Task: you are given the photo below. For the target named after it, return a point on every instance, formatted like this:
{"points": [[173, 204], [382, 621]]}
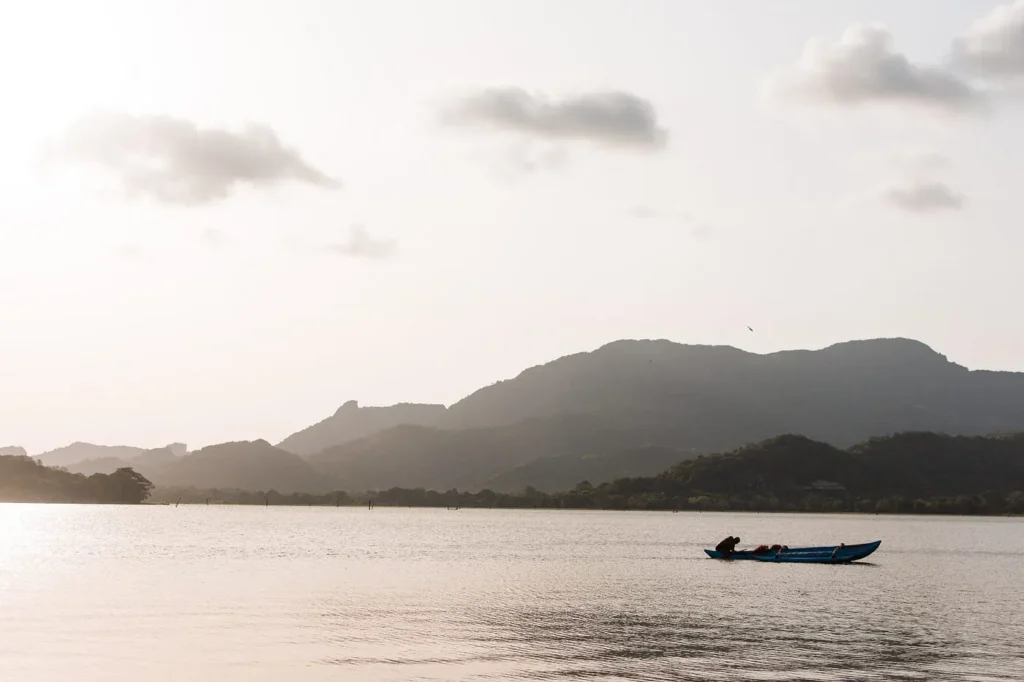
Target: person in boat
{"points": [[727, 546]]}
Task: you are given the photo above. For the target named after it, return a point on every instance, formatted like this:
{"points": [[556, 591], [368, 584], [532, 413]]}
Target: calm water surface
{"points": [[99, 594]]}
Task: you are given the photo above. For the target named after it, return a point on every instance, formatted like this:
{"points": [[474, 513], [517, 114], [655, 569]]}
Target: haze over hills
{"points": [[146, 460], [79, 452], [902, 473], [418, 456], [624, 409], [102, 459], [630, 394], [564, 472], [248, 465], [351, 421]]}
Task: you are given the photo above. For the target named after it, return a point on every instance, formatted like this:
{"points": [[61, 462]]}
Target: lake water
{"points": [[155, 593]]}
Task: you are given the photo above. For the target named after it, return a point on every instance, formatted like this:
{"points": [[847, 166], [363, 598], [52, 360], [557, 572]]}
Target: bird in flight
{"points": [[750, 328]]}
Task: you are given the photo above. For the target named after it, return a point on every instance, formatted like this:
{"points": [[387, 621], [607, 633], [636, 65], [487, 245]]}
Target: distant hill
{"points": [[100, 465], [247, 465], [635, 394], [909, 465], [563, 472], [80, 452], [603, 414], [88, 459], [902, 473], [931, 464], [12, 451], [158, 456], [146, 460], [413, 456], [721, 397], [351, 422]]}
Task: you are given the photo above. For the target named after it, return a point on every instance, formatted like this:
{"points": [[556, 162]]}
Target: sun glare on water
{"points": [[15, 533]]}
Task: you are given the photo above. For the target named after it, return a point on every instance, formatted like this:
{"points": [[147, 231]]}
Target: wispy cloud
{"points": [[612, 118], [174, 161], [695, 227], [530, 158], [863, 67], [361, 244], [922, 196], [643, 212]]}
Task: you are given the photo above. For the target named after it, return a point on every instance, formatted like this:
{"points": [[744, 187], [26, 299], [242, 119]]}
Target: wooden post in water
{"points": [[266, 500], [177, 503]]}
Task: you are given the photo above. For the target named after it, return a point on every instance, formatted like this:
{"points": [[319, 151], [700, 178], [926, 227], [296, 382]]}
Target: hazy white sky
{"points": [[221, 219]]}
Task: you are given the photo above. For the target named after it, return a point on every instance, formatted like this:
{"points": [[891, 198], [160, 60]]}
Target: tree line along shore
{"points": [[917, 473]]}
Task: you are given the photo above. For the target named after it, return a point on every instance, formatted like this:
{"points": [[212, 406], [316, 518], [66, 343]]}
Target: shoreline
{"points": [[220, 503]]}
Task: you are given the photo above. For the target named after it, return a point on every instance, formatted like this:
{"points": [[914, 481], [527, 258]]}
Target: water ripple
{"points": [[260, 594]]}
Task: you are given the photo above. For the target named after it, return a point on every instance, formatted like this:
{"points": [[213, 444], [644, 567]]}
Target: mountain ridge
{"points": [[631, 394], [352, 421]]}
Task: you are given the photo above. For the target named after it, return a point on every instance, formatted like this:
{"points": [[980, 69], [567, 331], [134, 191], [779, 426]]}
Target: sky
{"points": [[220, 220]]}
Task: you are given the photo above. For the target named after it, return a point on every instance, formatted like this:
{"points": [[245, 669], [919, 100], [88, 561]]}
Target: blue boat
{"points": [[835, 554]]}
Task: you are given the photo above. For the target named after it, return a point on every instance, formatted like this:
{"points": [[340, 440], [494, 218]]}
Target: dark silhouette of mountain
{"points": [[632, 394], [351, 422], [932, 464], [416, 456], [607, 413], [908, 465], [247, 465], [899, 473], [12, 451], [718, 397], [563, 472], [80, 452], [905, 472]]}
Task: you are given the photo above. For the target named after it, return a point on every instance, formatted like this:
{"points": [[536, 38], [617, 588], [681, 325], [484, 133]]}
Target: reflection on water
{"points": [[661, 642], [91, 594]]}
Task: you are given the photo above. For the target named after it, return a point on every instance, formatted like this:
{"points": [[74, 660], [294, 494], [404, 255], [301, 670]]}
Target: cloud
{"points": [[612, 118], [361, 244], [922, 196], [864, 68], [994, 44], [529, 159], [695, 227], [174, 161], [643, 212]]}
